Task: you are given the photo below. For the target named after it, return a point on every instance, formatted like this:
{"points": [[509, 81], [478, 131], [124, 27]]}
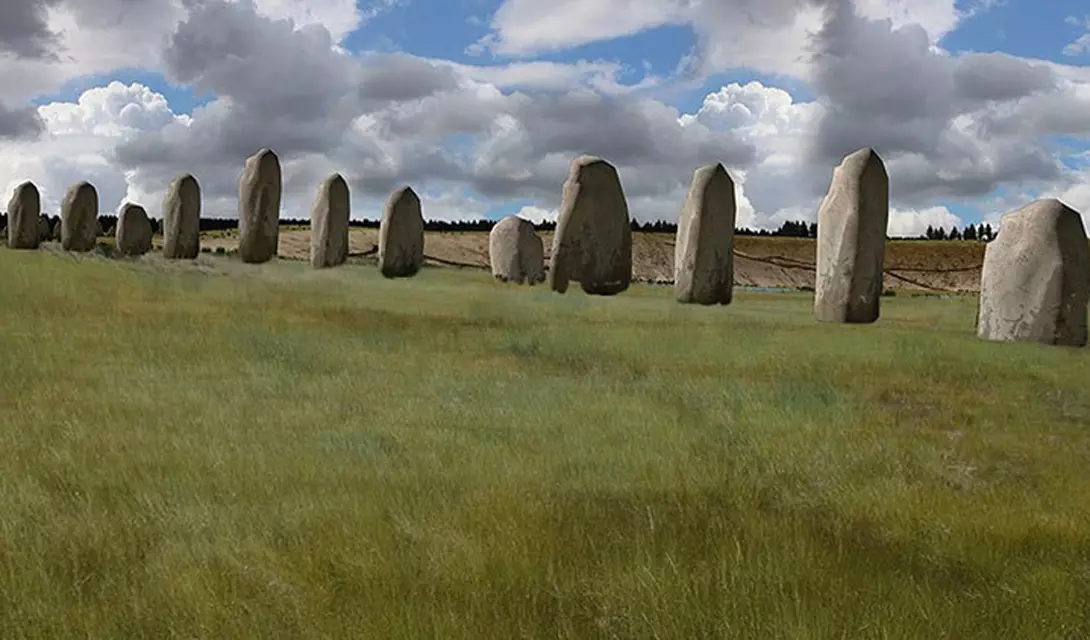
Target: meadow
{"points": [[243, 451]]}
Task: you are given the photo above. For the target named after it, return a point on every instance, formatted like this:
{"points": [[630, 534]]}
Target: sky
{"points": [[975, 106]]}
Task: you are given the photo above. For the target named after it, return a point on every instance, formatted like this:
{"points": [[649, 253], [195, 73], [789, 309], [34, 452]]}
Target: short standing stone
{"points": [[704, 252], [182, 219], [851, 241], [1035, 283], [79, 217], [133, 230], [401, 235], [57, 229], [45, 232], [24, 215], [329, 223], [593, 239], [516, 252], [259, 191]]}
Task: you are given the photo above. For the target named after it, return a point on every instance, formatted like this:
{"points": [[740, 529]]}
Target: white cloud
{"points": [[910, 223]]}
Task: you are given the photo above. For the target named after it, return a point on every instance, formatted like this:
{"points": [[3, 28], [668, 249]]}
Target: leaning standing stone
{"points": [[704, 252], [79, 217], [182, 219], [259, 208], [401, 235], [593, 239], [515, 251], [24, 214], [329, 223], [1035, 283], [133, 231], [851, 241]]}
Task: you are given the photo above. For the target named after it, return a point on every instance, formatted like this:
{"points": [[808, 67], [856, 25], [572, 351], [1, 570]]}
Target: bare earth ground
{"points": [[941, 266]]}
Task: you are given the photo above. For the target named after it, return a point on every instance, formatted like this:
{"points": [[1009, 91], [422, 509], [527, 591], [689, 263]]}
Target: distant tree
{"points": [[955, 234], [940, 234], [813, 230], [987, 234], [970, 232], [930, 233]]}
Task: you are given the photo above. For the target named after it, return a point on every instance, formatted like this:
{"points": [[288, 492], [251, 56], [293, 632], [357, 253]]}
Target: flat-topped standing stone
{"points": [[329, 223], [133, 230], [516, 252], [24, 214], [79, 217], [851, 241], [401, 235], [182, 219], [593, 239], [704, 252], [1035, 283], [259, 191]]}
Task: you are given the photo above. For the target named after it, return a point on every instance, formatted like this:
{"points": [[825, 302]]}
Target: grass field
{"points": [[274, 452]]}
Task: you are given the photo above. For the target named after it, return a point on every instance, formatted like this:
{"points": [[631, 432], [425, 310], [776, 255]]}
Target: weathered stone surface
{"points": [[851, 241], [704, 252], [401, 235], [133, 230], [182, 219], [57, 229], [100, 229], [516, 252], [593, 240], [79, 217], [1035, 283], [329, 223], [45, 232], [259, 191], [24, 214]]}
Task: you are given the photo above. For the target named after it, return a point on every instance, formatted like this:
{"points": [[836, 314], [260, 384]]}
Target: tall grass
{"points": [[273, 452]]}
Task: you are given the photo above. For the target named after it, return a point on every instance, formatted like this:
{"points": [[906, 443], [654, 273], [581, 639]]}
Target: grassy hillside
{"points": [[267, 451]]}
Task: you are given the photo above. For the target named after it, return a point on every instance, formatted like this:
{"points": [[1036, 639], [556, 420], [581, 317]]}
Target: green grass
{"points": [[274, 452]]}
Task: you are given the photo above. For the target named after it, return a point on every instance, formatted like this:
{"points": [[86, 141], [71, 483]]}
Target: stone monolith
{"points": [[79, 217], [24, 216], [401, 235], [329, 217], [133, 233], [182, 219], [259, 191], [515, 252], [704, 252]]}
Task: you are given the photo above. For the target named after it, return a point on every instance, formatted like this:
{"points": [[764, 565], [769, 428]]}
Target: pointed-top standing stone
{"points": [[182, 219], [593, 239], [329, 223], [515, 251], [851, 241], [79, 217], [1035, 283], [259, 191], [133, 233], [24, 214], [704, 252], [401, 235]]}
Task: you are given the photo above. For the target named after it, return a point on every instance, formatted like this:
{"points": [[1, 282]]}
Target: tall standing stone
{"points": [[704, 252], [24, 214], [1035, 283], [79, 217], [133, 232], [401, 235], [259, 191], [182, 219], [851, 241], [329, 217], [593, 239], [515, 251]]}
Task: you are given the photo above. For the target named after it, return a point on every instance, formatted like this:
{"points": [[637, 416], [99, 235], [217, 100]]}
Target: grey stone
{"points": [[704, 252], [515, 251], [593, 240], [259, 191], [57, 230], [24, 215], [1035, 283], [329, 217], [133, 230], [182, 219], [79, 217], [401, 235], [44, 231], [100, 229], [851, 241]]}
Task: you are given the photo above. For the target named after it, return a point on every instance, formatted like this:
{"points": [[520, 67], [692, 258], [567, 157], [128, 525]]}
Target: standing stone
{"points": [[593, 239], [24, 214], [401, 235], [133, 230], [516, 252], [259, 208], [45, 232], [704, 252], [1035, 283], [851, 241], [79, 217], [182, 219], [57, 229], [329, 223]]}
